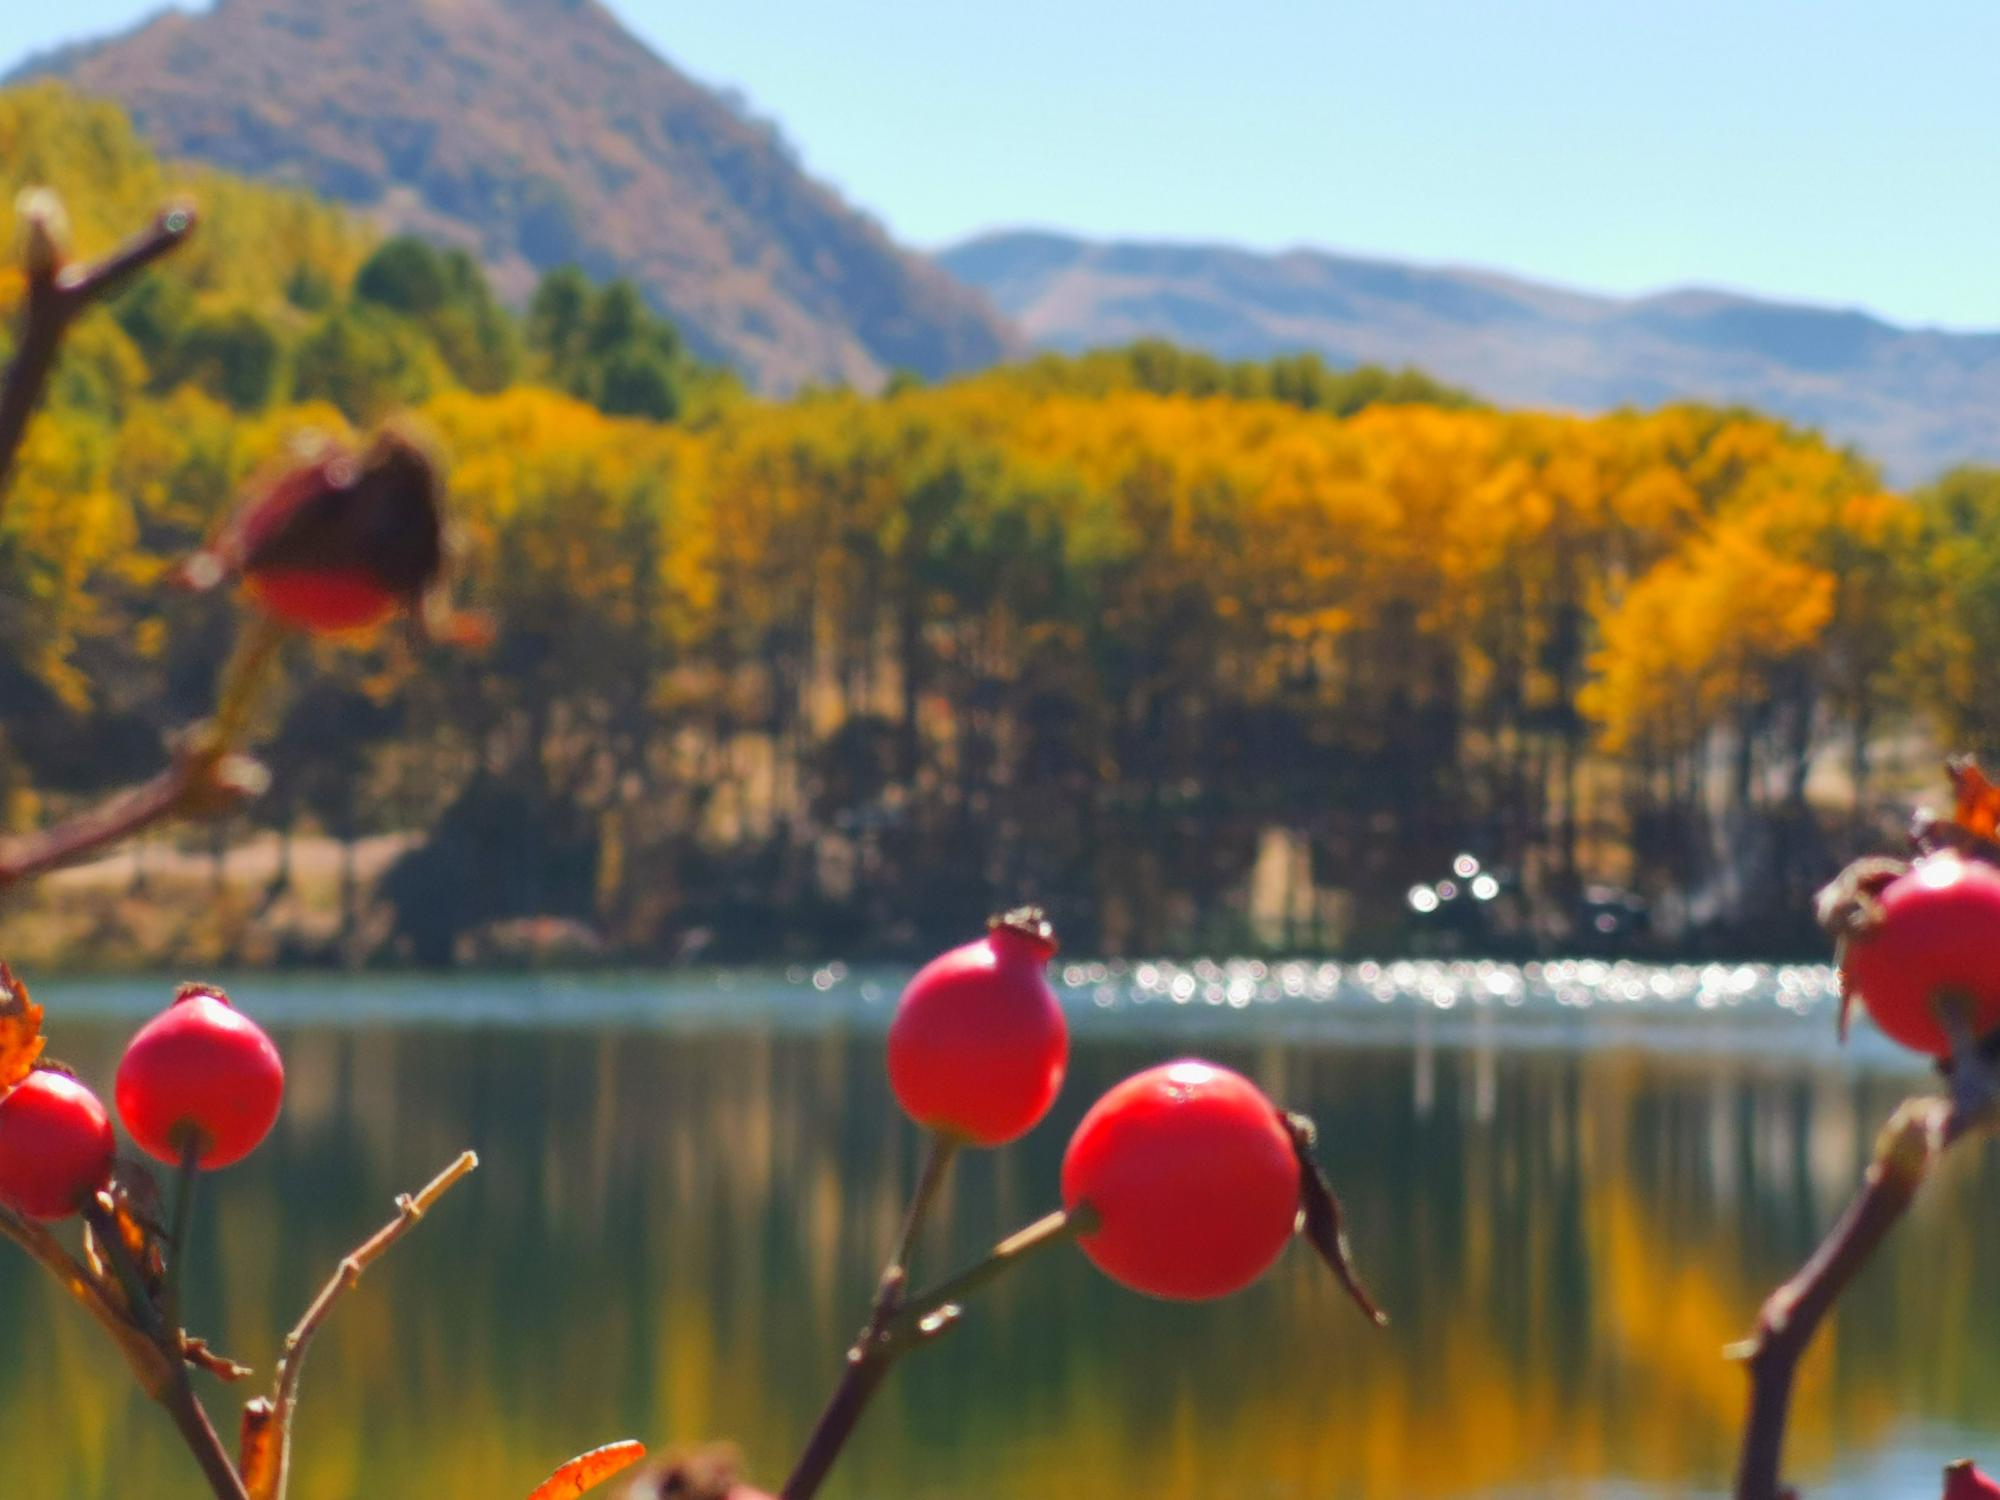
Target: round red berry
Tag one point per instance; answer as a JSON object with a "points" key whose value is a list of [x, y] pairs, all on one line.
{"points": [[204, 1069], [56, 1145], [1964, 1481], [1937, 936], [1192, 1177], [978, 1047]]}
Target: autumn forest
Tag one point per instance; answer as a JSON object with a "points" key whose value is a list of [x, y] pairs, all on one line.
{"points": [[1120, 630]]}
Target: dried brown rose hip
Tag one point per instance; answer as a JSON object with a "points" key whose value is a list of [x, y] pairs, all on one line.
{"points": [[339, 543]]}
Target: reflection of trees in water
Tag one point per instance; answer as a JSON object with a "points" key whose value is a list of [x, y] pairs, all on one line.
{"points": [[674, 1235]]}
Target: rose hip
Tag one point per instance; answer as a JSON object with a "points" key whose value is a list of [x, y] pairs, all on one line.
{"points": [[200, 1071], [978, 1047]]}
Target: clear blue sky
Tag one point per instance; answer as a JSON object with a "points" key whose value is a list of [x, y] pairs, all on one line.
{"points": [[1843, 151]]}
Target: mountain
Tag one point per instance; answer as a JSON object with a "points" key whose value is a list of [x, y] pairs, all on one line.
{"points": [[1916, 400], [539, 132]]}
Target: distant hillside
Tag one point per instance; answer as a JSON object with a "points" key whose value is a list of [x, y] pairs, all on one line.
{"points": [[538, 132], [1916, 400]]}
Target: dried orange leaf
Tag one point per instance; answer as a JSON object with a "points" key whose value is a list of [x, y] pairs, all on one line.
{"points": [[1977, 800], [587, 1471], [257, 1448], [133, 1215], [20, 1030]]}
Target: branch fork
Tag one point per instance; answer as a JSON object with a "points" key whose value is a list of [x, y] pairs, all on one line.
{"points": [[1916, 1136], [58, 292]]}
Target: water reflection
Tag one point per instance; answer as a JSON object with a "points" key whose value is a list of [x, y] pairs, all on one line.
{"points": [[674, 1234]]}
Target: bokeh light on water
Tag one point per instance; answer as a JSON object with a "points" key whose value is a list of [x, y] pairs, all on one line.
{"points": [[1570, 1183]]}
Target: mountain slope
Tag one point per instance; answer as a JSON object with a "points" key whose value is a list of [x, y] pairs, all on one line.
{"points": [[539, 132], [1917, 400]]}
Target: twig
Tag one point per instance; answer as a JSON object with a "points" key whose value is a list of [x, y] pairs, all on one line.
{"points": [[191, 780], [867, 1360], [939, 1154], [157, 1367], [191, 1417], [151, 1364], [1918, 1133], [179, 1399], [932, 1310], [886, 1339], [269, 1425], [57, 293], [208, 776]]}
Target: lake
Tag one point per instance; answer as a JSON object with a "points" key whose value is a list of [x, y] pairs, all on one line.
{"points": [[1570, 1184]]}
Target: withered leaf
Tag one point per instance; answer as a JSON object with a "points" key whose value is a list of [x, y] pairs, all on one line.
{"points": [[587, 1471], [1976, 800], [128, 1214], [257, 1448], [21, 1038], [1322, 1216], [139, 1231]]}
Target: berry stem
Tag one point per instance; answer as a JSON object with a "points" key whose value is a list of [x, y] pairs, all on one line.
{"points": [[935, 1308], [940, 1152], [869, 1359], [905, 1326], [243, 676], [180, 1230]]}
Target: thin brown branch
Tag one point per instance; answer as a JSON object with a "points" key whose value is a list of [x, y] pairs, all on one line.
{"points": [[159, 1371], [869, 1359], [898, 1326], [178, 1397], [933, 1309], [267, 1430], [1918, 1133], [57, 293], [150, 1363], [208, 777], [191, 1417], [193, 781], [939, 1153]]}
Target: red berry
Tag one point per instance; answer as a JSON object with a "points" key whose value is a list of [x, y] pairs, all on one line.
{"points": [[1193, 1178], [1938, 934], [200, 1066], [978, 1046], [1962, 1481], [56, 1145]]}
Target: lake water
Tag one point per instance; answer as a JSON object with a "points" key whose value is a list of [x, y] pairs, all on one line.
{"points": [[1570, 1184]]}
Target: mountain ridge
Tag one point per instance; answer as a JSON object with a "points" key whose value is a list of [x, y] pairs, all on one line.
{"points": [[541, 132], [1917, 399]]}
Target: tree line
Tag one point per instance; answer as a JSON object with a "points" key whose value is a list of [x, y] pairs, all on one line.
{"points": [[844, 670]]}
